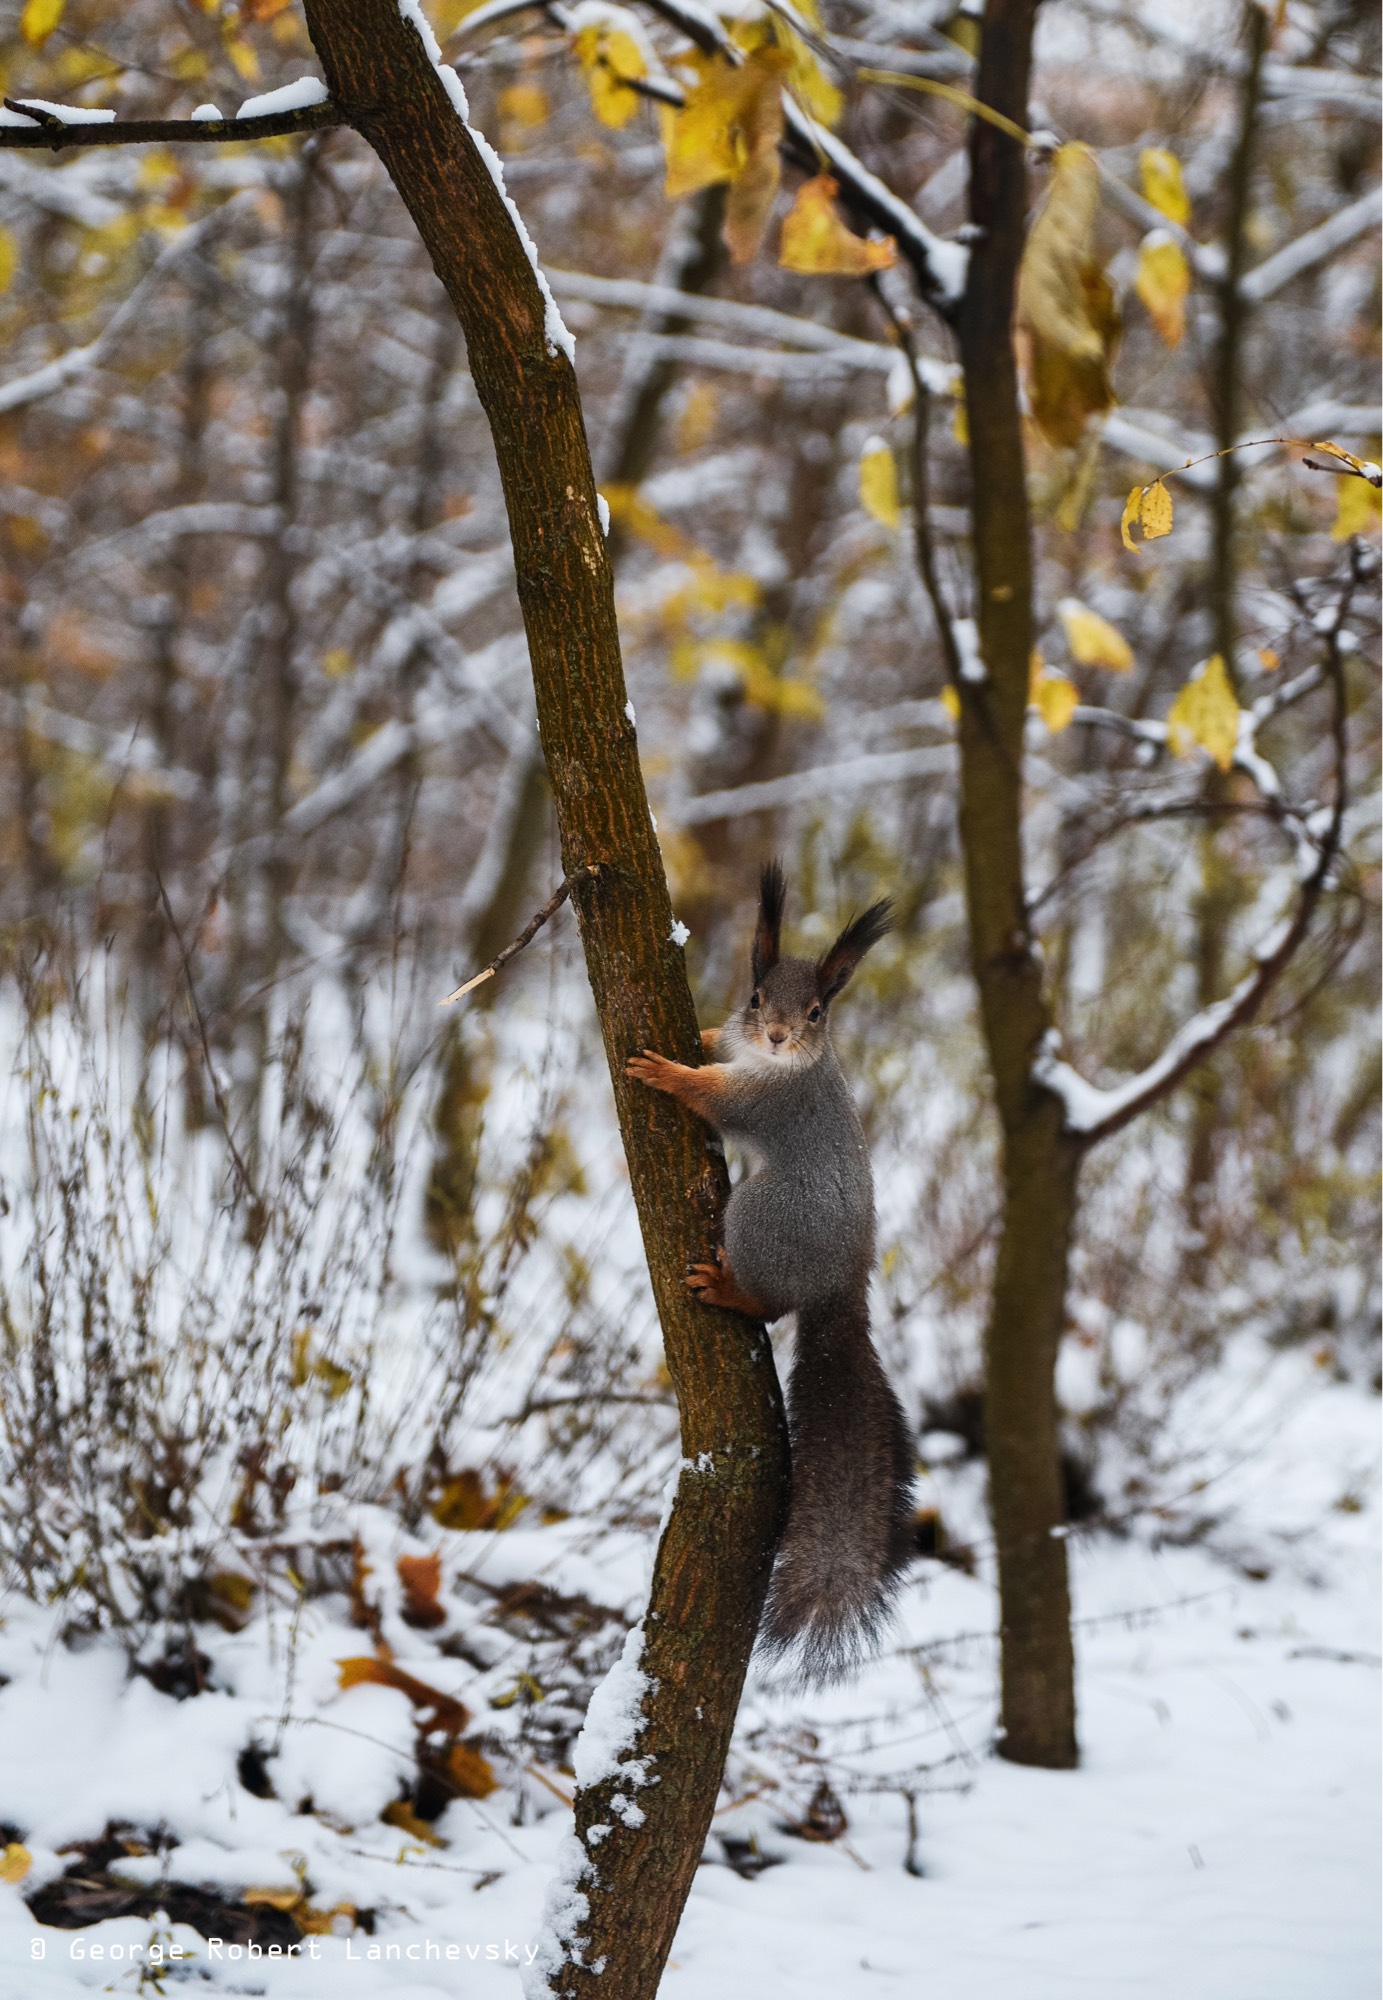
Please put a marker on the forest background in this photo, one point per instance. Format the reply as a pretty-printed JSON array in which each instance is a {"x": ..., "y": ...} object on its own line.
[{"x": 327, "y": 1332}]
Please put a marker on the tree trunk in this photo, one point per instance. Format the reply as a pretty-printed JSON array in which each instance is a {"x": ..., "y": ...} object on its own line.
[
  {"x": 1040, "y": 1161},
  {"x": 713, "y": 1563},
  {"x": 1222, "y": 890}
]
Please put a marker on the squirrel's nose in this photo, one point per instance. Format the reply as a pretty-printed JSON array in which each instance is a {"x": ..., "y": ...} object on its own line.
[{"x": 777, "y": 1035}]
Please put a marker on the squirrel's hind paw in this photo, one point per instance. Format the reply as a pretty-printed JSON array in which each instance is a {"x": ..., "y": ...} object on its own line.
[{"x": 716, "y": 1285}]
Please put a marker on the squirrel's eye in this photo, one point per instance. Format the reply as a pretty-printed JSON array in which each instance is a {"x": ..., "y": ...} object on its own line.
[
  {"x": 814, "y": 1014},
  {"x": 753, "y": 999}
]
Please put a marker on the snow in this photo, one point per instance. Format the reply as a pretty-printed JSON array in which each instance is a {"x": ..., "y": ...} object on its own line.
[
  {"x": 204, "y": 113},
  {"x": 679, "y": 933},
  {"x": 299, "y": 96},
  {"x": 1219, "y": 1840},
  {"x": 629, "y": 712},
  {"x": 967, "y": 637},
  {"x": 614, "y": 1721},
  {"x": 70, "y": 114},
  {"x": 602, "y": 507},
  {"x": 559, "y": 340}
]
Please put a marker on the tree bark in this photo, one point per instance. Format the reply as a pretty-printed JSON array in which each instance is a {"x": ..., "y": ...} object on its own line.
[
  {"x": 1040, "y": 1160},
  {"x": 1222, "y": 889},
  {"x": 713, "y": 1562}
]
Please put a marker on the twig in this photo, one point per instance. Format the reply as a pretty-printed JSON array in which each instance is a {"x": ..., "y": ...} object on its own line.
[
  {"x": 51, "y": 133},
  {"x": 223, "y": 1112},
  {"x": 530, "y": 930}
]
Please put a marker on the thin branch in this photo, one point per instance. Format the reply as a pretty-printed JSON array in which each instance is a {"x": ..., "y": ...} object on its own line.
[
  {"x": 938, "y": 264},
  {"x": 923, "y": 543},
  {"x": 1093, "y": 1114},
  {"x": 258, "y": 1211},
  {"x": 52, "y": 134},
  {"x": 25, "y": 389},
  {"x": 1278, "y": 271},
  {"x": 587, "y": 872},
  {"x": 808, "y": 787}
]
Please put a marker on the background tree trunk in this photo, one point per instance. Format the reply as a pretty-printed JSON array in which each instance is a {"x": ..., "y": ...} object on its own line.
[
  {"x": 1040, "y": 1160},
  {"x": 714, "y": 1559}
]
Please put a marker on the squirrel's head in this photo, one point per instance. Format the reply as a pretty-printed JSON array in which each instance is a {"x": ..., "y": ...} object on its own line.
[{"x": 784, "y": 1022}]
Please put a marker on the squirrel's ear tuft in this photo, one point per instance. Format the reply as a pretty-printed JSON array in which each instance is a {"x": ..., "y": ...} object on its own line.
[
  {"x": 773, "y": 891},
  {"x": 839, "y": 963}
]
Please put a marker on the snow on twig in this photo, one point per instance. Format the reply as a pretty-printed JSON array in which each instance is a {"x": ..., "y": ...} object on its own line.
[{"x": 1092, "y": 1113}]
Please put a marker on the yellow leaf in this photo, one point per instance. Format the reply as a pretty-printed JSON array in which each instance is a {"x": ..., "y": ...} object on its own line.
[
  {"x": 16, "y": 1861},
  {"x": 470, "y": 1772},
  {"x": 1163, "y": 279},
  {"x": 243, "y": 57},
  {"x": 879, "y": 483},
  {"x": 1357, "y": 509},
  {"x": 402, "y": 1815},
  {"x": 9, "y": 259},
  {"x": 1163, "y": 187},
  {"x": 335, "y": 1378},
  {"x": 1269, "y": 660},
  {"x": 526, "y": 105},
  {"x": 39, "y": 19},
  {"x": 1053, "y": 696},
  {"x": 368, "y": 1670},
  {"x": 696, "y": 420},
  {"x": 275, "y": 1899},
  {"x": 950, "y": 701},
  {"x": 1094, "y": 642},
  {"x": 1337, "y": 451},
  {"x": 1206, "y": 713},
  {"x": 1155, "y": 511},
  {"x": 705, "y": 141},
  {"x": 612, "y": 60},
  {"x": 337, "y": 663},
  {"x": 1066, "y": 304},
  {"x": 1132, "y": 509},
  {"x": 313, "y": 1922},
  {"x": 816, "y": 240},
  {"x": 754, "y": 185},
  {"x": 807, "y": 80}
]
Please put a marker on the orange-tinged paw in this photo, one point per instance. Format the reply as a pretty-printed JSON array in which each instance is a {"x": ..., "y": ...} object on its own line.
[{"x": 652, "y": 1069}]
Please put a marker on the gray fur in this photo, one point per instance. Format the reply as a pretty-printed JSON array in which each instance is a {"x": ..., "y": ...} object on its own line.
[{"x": 799, "y": 1237}]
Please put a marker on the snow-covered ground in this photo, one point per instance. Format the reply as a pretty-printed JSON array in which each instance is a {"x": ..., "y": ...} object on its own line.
[{"x": 1220, "y": 1841}]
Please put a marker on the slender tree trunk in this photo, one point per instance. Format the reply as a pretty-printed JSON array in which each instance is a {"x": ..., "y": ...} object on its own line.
[
  {"x": 1222, "y": 890},
  {"x": 1040, "y": 1160},
  {"x": 689, "y": 263},
  {"x": 713, "y": 1562}
]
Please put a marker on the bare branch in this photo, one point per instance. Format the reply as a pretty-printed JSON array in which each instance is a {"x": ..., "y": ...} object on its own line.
[
  {"x": 1092, "y": 1114},
  {"x": 852, "y": 774},
  {"x": 1293, "y": 259},
  {"x": 588, "y": 872},
  {"x": 52, "y": 134}
]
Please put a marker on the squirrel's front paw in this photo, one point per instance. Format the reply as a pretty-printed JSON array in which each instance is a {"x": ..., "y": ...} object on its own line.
[{"x": 652, "y": 1069}]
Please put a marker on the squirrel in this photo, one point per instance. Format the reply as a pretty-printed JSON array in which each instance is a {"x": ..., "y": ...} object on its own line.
[{"x": 799, "y": 1237}]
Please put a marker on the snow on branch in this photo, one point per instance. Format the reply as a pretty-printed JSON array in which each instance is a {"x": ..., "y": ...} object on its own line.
[
  {"x": 1278, "y": 271},
  {"x": 31, "y": 124},
  {"x": 1091, "y": 1113},
  {"x": 938, "y": 264},
  {"x": 641, "y": 296},
  {"x": 64, "y": 368},
  {"x": 852, "y": 774}
]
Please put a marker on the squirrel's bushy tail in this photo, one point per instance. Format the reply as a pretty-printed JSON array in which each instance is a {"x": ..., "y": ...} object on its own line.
[{"x": 849, "y": 1534}]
